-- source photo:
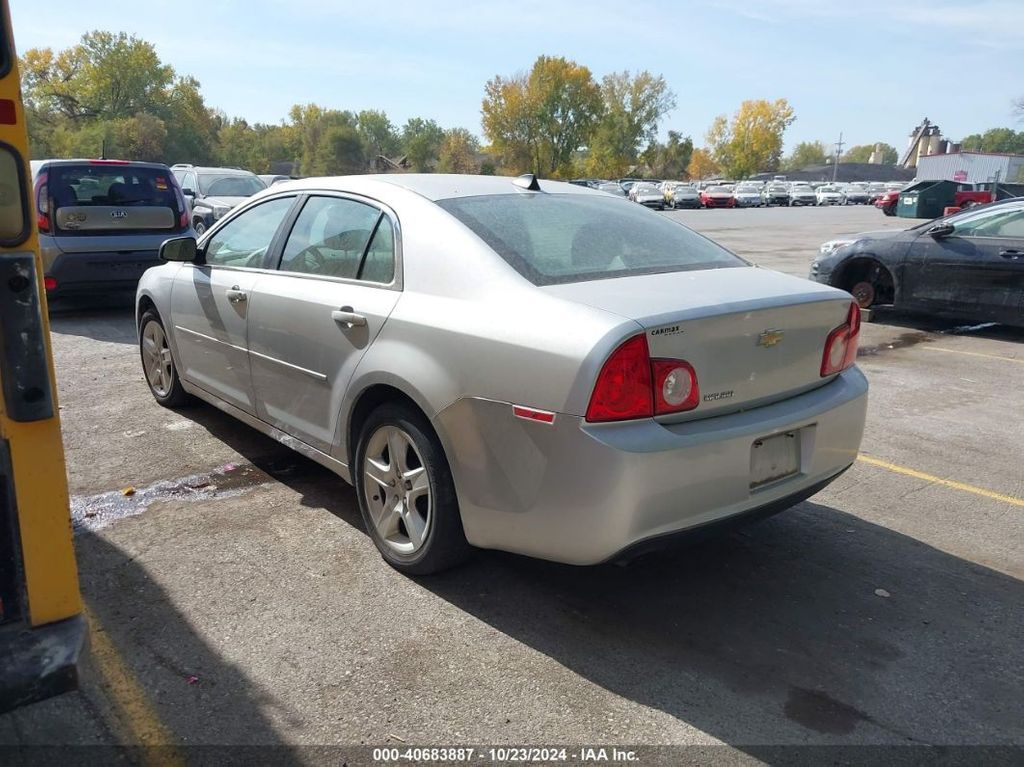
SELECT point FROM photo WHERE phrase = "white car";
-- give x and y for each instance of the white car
(830, 195)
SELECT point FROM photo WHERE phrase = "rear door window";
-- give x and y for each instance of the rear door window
(101, 198)
(330, 237)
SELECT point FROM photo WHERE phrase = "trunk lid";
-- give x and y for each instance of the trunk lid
(753, 336)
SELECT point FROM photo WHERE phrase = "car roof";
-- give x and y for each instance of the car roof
(96, 161)
(433, 186)
(224, 171)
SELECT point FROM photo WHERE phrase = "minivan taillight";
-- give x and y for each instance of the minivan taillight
(42, 203)
(182, 206)
(632, 385)
(841, 344)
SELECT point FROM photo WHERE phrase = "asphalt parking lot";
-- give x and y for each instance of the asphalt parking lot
(234, 598)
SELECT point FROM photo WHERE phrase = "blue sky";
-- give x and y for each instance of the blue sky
(851, 67)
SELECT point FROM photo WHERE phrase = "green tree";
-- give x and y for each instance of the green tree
(421, 143)
(106, 75)
(537, 121)
(320, 155)
(671, 159)
(752, 141)
(141, 137)
(459, 152)
(378, 133)
(194, 137)
(633, 109)
(805, 155)
(863, 152)
(995, 140)
(342, 151)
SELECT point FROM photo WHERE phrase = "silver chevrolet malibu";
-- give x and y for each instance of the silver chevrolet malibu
(509, 364)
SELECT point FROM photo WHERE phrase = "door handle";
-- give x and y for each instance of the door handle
(1011, 253)
(235, 295)
(345, 316)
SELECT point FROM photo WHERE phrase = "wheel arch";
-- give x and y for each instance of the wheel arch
(372, 393)
(867, 266)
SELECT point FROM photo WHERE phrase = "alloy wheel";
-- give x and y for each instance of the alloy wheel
(396, 489)
(156, 355)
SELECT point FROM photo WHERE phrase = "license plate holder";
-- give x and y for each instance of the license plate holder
(774, 458)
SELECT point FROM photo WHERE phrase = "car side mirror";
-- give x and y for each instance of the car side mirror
(189, 192)
(179, 249)
(941, 230)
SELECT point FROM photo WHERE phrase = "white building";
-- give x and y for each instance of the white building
(971, 168)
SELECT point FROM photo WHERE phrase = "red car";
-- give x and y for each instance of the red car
(887, 202)
(717, 197)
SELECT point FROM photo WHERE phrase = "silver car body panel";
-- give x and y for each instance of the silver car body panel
(466, 338)
(580, 493)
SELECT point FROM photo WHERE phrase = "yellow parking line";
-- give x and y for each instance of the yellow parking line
(143, 725)
(974, 354)
(1010, 499)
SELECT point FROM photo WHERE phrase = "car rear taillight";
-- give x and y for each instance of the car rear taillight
(182, 206)
(841, 344)
(49, 283)
(632, 385)
(42, 203)
(675, 386)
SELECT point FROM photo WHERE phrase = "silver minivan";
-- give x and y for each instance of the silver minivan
(101, 222)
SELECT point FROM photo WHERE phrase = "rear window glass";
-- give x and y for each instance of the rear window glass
(96, 198)
(558, 238)
(229, 185)
(124, 186)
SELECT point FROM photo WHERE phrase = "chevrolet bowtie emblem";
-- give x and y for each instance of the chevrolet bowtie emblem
(770, 337)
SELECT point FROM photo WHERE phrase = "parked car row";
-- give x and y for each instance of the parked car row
(659, 194)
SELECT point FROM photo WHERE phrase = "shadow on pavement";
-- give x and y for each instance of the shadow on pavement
(814, 627)
(197, 695)
(922, 324)
(102, 319)
(775, 634)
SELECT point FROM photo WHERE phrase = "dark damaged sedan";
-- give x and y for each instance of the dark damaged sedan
(968, 265)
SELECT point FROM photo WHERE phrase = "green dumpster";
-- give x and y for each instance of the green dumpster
(926, 199)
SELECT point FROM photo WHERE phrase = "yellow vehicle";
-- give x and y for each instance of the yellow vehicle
(42, 629)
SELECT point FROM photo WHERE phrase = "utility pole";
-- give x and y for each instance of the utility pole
(839, 151)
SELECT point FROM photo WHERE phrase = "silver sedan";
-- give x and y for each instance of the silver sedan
(507, 364)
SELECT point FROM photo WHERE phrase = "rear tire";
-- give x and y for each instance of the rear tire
(407, 500)
(158, 363)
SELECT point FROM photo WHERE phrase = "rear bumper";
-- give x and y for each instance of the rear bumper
(39, 662)
(101, 272)
(583, 493)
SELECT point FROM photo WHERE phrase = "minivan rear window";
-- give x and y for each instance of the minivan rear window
(101, 198)
(559, 238)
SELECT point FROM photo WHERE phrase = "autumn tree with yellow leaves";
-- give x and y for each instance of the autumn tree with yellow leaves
(536, 121)
(751, 142)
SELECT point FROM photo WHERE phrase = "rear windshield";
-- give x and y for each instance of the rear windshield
(557, 238)
(229, 185)
(139, 198)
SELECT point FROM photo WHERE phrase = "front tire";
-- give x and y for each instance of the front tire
(199, 226)
(406, 492)
(158, 363)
